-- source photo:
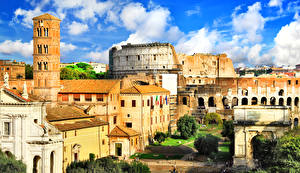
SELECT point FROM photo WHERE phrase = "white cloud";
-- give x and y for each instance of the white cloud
(250, 23)
(195, 11)
(24, 17)
(77, 28)
(98, 56)
(287, 45)
(9, 47)
(173, 34)
(275, 3)
(67, 47)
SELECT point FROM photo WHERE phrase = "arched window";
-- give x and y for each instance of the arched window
(45, 65)
(211, 102)
(201, 102)
(46, 49)
(52, 162)
(296, 122)
(235, 101)
(46, 32)
(281, 92)
(263, 101)
(39, 48)
(281, 102)
(39, 66)
(244, 101)
(37, 164)
(296, 101)
(184, 101)
(289, 101)
(273, 101)
(225, 103)
(254, 101)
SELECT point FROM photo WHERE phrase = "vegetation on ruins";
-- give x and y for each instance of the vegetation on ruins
(228, 131)
(160, 137)
(278, 155)
(207, 144)
(28, 71)
(107, 164)
(187, 126)
(80, 71)
(213, 118)
(8, 163)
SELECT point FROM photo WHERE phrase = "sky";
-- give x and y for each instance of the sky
(250, 32)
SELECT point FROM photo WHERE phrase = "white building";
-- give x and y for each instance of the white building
(25, 133)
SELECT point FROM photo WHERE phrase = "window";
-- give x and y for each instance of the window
(39, 66)
(289, 82)
(103, 142)
(102, 129)
(115, 119)
(75, 132)
(45, 65)
(46, 32)
(35, 121)
(66, 135)
(133, 103)
(154, 57)
(182, 62)
(7, 128)
(131, 141)
(143, 103)
(99, 97)
(126, 58)
(88, 97)
(136, 141)
(296, 82)
(65, 97)
(128, 115)
(148, 102)
(139, 58)
(39, 32)
(76, 97)
(46, 48)
(39, 48)
(129, 125)
(7, 68)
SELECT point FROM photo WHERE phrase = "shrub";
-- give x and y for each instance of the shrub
(187, 126)
(92, 156)
(213, 118)
(160, 137)
(10, 164)
(206, 144)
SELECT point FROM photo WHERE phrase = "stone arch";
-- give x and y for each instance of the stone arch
(244, 101)
(235, 101)
(263, 101)
(8, 154)
(37, 166)
(272, 101)
(184, 100)
(296, 122)
(225, 102)
(52, 162)
(296, 102)
(211, 102)
(281, 101)
(254, 101)
(281, 92)
(289, 101)
(201, 102)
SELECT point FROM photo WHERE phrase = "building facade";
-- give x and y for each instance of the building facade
(15, 70)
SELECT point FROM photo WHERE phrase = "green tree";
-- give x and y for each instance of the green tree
(228, 129)
(206, 144)
(160, 137)
(28, 71)
(187, 126)
(10, 164)
(213, 118)
(68, 74)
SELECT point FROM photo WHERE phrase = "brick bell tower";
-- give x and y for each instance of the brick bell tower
(46, 56)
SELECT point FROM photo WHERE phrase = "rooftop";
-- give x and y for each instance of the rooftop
(120, 131)
(80, 124)
(46, 16)
(143, 89)
(60, 112)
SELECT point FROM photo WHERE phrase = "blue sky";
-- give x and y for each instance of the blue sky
(249, 32)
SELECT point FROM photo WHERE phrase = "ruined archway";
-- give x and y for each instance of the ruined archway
(272, 101)
(281, 92)
(184, 100)
(281, 101)
(244, 101)
(263, 101)
(254, 101)
(235, 101)
(37, 167)
(289, 101)
(211, 102)
(201, 102)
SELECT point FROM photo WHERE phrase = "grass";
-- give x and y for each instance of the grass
(155, 156)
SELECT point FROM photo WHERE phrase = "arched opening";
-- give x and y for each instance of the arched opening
(272, 101)
(9, 154)
(296, 101)
(281, 92)
(52, 162)
(244, 101)
(184, 101)
(263, 101)
(245, 92)
(235, 101)
(254, 101)
(201, 103)
(281, 102)
(37, 164)
(289, 101)
(225, 103)
(296, 122)
(211, 102)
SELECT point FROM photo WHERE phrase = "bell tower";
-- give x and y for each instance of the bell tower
(46, 56)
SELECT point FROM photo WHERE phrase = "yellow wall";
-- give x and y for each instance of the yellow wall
(90, 141)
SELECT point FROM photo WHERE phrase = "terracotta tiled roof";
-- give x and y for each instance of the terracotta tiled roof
(80, 124)
(142, 89)
(16, 95)
(46, 16)
(60, 112)
(120, 131)
(87, 86)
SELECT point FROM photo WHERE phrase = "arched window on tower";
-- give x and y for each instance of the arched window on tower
(46, 48)
(39, 48)
(45, 65)
(46, 32)
(39, 66)
(39, 32)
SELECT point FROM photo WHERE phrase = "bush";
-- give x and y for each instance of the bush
(213, 118)
(187, 126)
(10, 164)
(206, 144)
(160, 137)
(92, 156)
